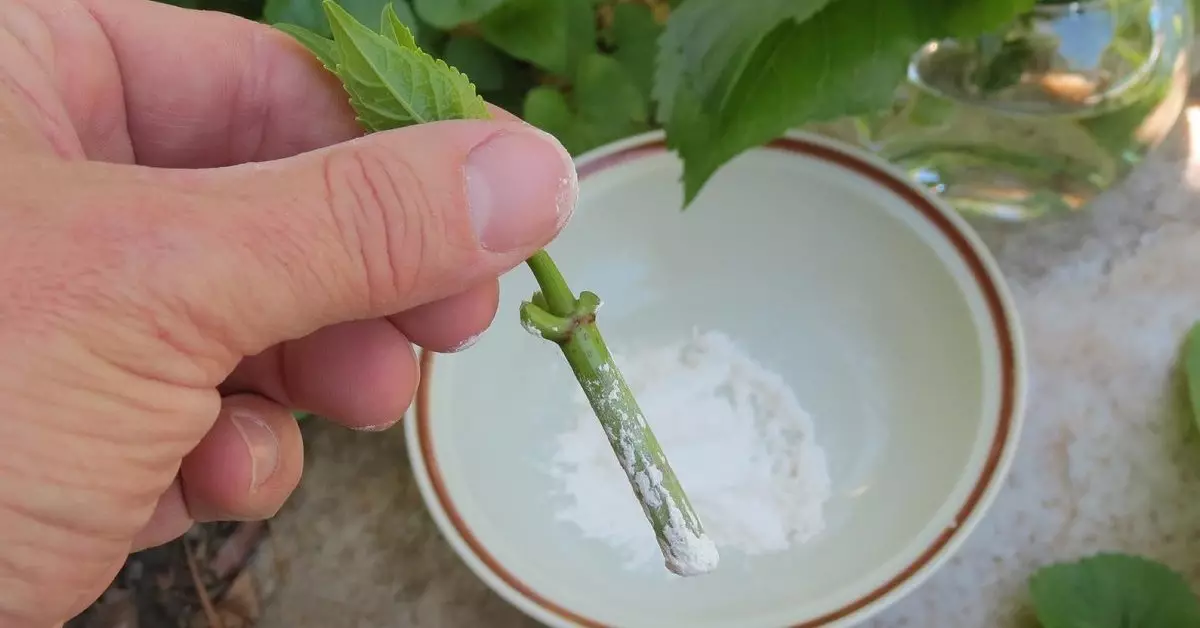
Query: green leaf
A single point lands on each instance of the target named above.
(1191, 370)
(396, 30)
(447, 14)
(1113, 591)
(847, 59)
(548, 109)
(707, 43)
(392, 86)
(427, 36)
(309, 14)
(605, 105)
(635, 39)
(367, 12)
(322, 48)
(551, 34)
(480, 61)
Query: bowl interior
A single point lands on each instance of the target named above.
(861, 302)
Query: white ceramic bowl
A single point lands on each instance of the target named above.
(874, 301)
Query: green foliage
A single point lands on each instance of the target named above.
(483, 62)
(719, 76)
(837, 58)
(707, 44)
(446, 14)
(1113, 591)
(605, 105)
(553, 35)
(634, 38)
(392, 83)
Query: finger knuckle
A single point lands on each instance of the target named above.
(385, 214)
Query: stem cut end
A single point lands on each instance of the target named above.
(691, 555)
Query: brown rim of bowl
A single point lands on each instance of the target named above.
(1008, 375)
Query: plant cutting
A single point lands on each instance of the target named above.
(393, 83)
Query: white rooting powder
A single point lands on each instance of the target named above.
(736, 436)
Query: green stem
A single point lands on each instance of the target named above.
(557, 315)
(560, 301)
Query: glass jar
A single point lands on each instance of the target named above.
(1041, 116)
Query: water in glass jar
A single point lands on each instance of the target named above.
(1042, 116)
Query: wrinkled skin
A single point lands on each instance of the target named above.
(193, 241)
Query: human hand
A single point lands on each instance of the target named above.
(158, 321)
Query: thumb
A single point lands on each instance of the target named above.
(370, 227)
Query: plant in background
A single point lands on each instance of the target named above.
(719, 77)
(1109, 590)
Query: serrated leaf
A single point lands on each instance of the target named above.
(396, 30)
(428, 37)
(605, 105)
(551, 34)
(391, 86)
(707, 43)
(1113, 591)
(310, 15)
(635, 40)
(480, 61)
(1191, 370)
(322, 48)
(447, 14)
(847, 59)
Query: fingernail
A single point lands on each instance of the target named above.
(261, 444)
(467, 343)
(521, 187)
(376, 428)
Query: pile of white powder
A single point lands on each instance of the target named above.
(740, 443)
